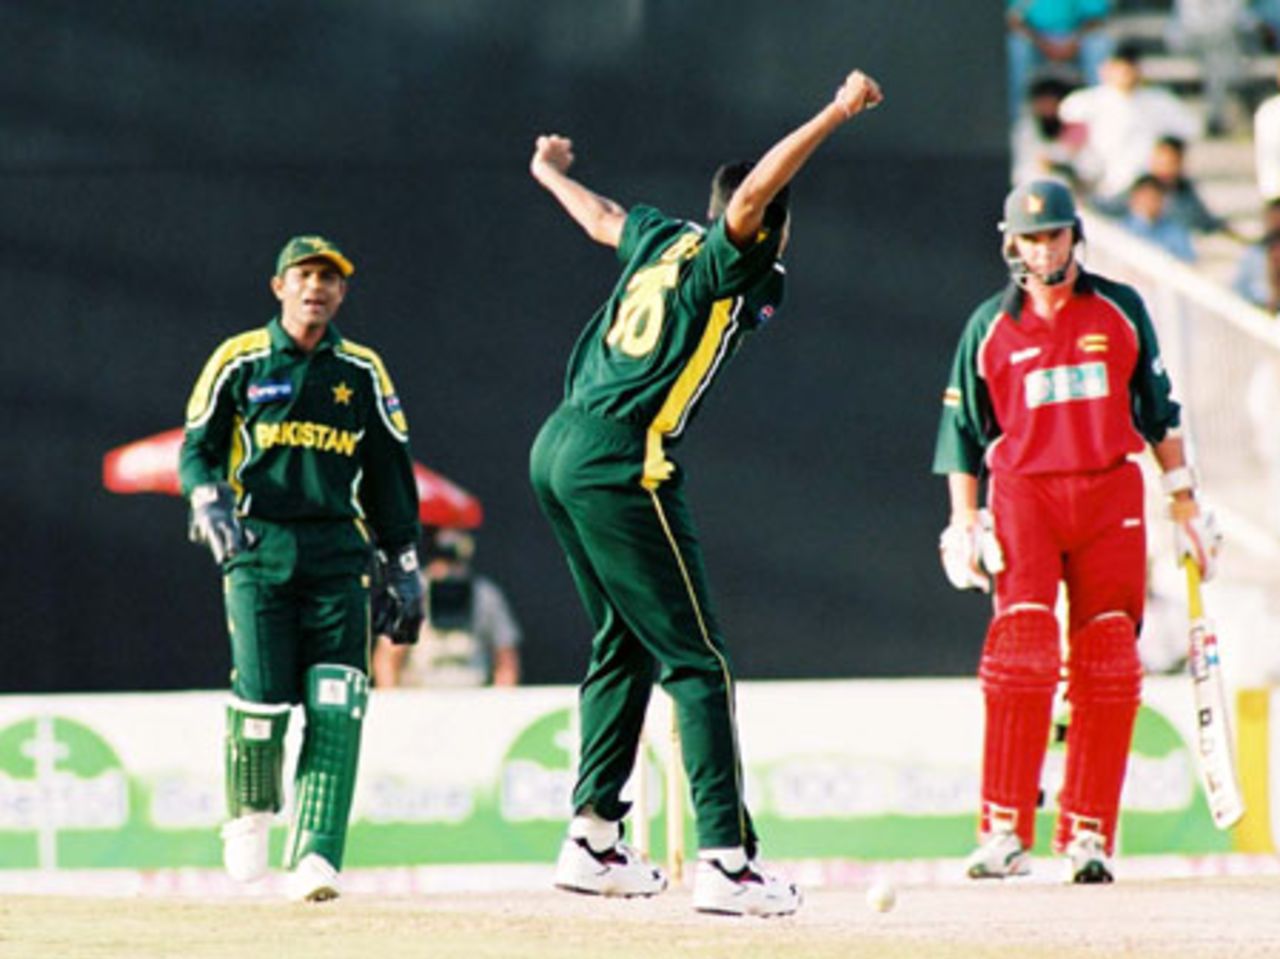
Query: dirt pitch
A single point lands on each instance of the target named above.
(1205, 918)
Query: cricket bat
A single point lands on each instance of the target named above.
(1214, 744)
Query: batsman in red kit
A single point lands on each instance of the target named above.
(1056, 386)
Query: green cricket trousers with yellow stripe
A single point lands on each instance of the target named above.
(635, 559)
(298, 598)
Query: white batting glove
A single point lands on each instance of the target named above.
(1196, 535)
(971, 553)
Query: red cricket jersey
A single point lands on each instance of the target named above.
(1077, 394)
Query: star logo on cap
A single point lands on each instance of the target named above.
(342, 394)
(1035, 204)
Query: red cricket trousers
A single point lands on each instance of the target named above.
(1084, 529)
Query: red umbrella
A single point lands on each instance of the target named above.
(150, 465)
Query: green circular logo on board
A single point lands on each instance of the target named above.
(537, 772)
(56, 773)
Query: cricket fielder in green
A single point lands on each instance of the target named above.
(297, 468)
(602, 472)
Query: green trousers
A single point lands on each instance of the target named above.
(300, 597)
(638, 568)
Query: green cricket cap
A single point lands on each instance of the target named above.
(308, 248)
(1037, 206)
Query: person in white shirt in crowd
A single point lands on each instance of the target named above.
(1125, 118)
(1266, 146)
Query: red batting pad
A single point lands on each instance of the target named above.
(1021, 661)
(1104, 687)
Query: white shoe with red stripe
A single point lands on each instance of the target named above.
(618, 870)
(742, 892)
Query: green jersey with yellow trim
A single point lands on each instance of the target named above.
(685, 298)
(303, 436)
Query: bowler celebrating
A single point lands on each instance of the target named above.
(603, 473)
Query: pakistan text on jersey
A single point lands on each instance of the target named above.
(317, 436)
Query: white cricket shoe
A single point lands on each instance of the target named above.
(1087, 859)
(617, 871)
(244, 846)
(999, 856)
(744, 892)
(313, 880)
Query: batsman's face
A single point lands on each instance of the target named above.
(309, 292)
(1046, 251)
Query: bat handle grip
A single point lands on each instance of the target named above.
(1195, 606)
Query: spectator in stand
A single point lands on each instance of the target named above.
(1213, 31)
(1042, 144)
(1148, 218)
(1258, 273)
(1065, 33)
(1266, 146)
(1265, 21)
(1124, 118)
(469, 636)
(1182, 201)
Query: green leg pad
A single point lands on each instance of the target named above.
(255, 756)
(337, 697)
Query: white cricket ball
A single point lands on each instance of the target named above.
(881, 896)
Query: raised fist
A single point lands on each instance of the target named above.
(858, 92)
(554, 151)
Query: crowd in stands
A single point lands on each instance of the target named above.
(1082, 110)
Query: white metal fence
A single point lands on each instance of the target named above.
(1223, 355)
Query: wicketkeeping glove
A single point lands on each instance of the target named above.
(971, 554)
(214, 522)
(1195, 534)
(397, 599)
